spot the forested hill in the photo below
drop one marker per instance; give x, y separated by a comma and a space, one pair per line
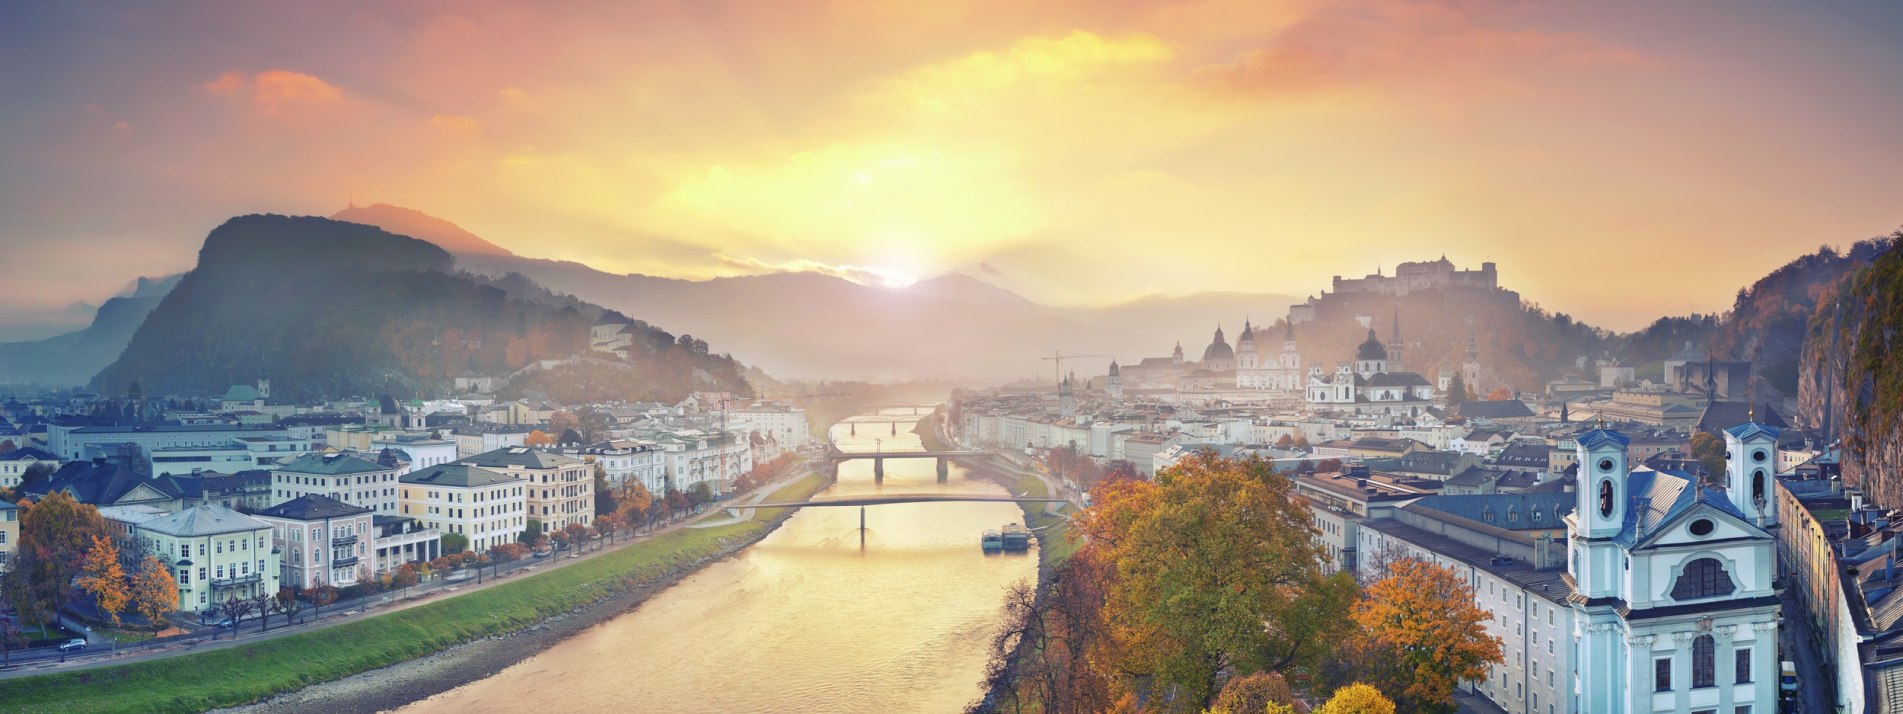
1767, 323
333, 309
1850, 379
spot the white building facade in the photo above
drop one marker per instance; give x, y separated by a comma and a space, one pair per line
1673, 603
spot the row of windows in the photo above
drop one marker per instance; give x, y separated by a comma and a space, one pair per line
219, 546
1704, 666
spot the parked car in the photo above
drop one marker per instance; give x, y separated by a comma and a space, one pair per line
72, 645
226, 623
543, 553
1787, 680
458, 576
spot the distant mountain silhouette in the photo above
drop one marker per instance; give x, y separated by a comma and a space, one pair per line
72, 358
332, 309
814, 326
422, 226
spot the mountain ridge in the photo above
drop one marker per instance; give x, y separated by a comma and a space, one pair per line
332, 308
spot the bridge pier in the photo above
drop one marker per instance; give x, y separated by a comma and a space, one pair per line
862, 526
854, 426
895, 428
878, 470
944, 469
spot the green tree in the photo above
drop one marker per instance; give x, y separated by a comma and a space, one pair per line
455, 542
606, 501
1215, 566
1456, 390
531, 533
1709, 450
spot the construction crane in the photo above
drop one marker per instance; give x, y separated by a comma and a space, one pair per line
1059, 358
770, 397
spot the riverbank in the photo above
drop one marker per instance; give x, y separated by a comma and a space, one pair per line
1052, 530
399, 657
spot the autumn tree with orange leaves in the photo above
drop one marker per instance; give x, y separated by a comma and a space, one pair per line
56, 534
1424, 617
1213, 568
154, 591
101, 577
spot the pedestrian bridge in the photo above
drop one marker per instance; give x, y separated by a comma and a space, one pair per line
906, 498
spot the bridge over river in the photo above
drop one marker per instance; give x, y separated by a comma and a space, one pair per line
835, 456
907, 498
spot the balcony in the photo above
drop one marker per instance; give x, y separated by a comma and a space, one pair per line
344, 541
343, 562
237, 580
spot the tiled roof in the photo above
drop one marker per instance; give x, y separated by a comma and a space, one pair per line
203, 520
1599, 437
98, 484
520, 457
1753, 430
1494, 409
1724, 415
460, 475
1656, 497
333, 465
28, 453
313, 507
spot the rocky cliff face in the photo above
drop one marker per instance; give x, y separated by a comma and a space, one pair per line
1850, 377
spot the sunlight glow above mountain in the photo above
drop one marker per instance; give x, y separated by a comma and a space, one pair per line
1076, 153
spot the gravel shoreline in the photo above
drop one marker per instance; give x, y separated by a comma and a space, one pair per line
403, 683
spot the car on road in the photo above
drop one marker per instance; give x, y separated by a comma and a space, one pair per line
226, 623
72, 645
1787, 679
459, 576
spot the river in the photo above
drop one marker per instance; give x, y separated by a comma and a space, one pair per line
803, 621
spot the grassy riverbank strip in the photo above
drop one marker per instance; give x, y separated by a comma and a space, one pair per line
252, 672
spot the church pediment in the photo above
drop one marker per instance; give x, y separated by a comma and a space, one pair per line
1703, 523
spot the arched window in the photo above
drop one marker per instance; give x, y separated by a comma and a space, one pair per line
1704, 655
1703, 578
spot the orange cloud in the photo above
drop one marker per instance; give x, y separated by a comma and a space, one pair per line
277, 93
280, 92
226, 84
1353, 45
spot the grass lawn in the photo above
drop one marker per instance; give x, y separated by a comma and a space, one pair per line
1056, 545
796, 491
248, 673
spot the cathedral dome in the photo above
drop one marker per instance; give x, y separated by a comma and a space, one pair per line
1219, 349
1372, 349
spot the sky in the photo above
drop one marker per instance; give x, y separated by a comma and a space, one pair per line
1619, 161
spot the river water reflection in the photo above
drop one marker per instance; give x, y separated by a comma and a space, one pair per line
803, 621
